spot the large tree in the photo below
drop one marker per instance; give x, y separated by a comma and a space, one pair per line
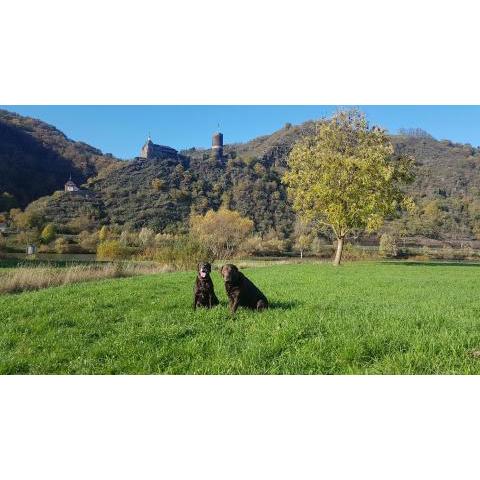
346, 176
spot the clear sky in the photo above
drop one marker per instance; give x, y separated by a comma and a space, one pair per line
121, 130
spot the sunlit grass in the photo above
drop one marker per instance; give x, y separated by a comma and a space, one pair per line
360, 318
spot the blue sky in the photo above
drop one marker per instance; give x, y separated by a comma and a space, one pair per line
121, 130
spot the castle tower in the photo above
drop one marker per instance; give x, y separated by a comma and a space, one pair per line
147, 149
217, 143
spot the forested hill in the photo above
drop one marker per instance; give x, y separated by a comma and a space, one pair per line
161, 194
36, 159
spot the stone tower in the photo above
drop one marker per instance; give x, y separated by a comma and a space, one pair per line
217, 144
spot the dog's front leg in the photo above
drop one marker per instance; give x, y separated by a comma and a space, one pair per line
234, 304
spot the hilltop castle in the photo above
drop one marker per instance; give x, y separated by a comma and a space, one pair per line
153, 151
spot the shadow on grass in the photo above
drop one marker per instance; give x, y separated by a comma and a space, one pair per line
435, 264
281, 305
284, 305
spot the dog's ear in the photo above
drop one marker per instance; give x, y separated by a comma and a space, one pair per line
208, 265
234, 267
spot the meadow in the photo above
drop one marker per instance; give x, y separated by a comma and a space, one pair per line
360, 318
17, 276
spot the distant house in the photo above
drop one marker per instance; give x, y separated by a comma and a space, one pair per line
71, 186
31, 249
3, 227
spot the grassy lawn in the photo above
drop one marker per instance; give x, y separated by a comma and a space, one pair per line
360, 318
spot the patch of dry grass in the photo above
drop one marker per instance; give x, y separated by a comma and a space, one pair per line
29, 277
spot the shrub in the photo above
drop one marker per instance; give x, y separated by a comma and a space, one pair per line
180, 253
274, 246
388, 246
262, 247
467, 251
221, 232
112, 250
82, 222
61, 245
355, 252
88, 241
157, 184
320, 249
129, 239
250, 246
146, 236
162, 238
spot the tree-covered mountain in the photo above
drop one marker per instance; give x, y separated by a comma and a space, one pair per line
36, 159
161, 193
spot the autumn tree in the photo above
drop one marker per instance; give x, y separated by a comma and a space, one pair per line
302, 235
48, 233
346, 177
29, 219
103, 234
222, 231
432, 219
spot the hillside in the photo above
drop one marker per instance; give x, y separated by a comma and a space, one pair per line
161, 194
446, 189
36, 159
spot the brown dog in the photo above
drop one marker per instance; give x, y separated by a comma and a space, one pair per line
203, 292
241, 291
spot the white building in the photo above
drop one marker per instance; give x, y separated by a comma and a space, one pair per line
71, 186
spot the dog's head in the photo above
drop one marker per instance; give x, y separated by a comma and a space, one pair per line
229, 273
204, 269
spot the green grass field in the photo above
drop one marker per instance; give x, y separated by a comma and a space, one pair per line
390, 318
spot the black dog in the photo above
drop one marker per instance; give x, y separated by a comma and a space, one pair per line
241, 291
203, 292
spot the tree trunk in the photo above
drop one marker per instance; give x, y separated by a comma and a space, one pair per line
338, 255
301, 253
